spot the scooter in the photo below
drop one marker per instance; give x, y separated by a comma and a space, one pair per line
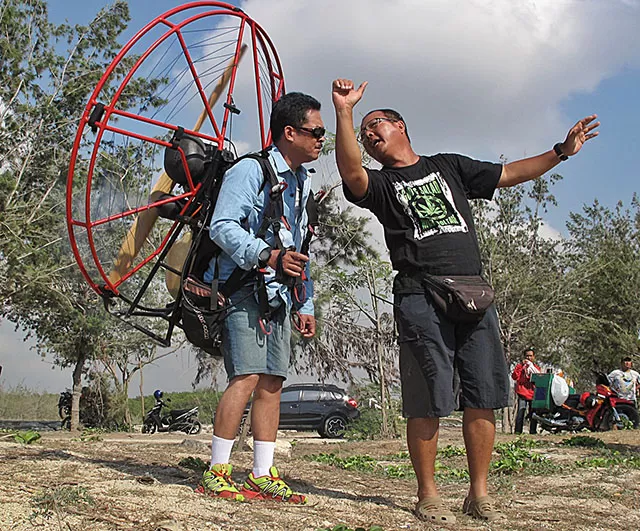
601, 410
64, 409
176, 420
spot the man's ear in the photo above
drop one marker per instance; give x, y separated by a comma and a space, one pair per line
402, 126
287, 133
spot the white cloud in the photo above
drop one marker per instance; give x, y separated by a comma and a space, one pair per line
475, 76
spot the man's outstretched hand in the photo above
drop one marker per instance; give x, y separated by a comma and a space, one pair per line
579, 134
344, 94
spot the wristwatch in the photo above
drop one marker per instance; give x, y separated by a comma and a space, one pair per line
558, 149
264, 256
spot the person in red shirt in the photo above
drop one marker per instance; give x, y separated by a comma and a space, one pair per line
524, 389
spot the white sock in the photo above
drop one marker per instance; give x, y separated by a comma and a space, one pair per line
262, 457
220, 450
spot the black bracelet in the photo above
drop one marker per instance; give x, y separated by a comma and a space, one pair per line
558, 149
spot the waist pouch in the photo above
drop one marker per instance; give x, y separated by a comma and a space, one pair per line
463, 299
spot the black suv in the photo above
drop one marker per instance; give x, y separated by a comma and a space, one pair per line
325, 408
309, 406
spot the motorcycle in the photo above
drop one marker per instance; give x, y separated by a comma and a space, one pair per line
557, 410
176, 420
64, 409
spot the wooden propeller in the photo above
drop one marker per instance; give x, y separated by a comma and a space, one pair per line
144, 222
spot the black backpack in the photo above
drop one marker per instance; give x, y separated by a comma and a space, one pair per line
204, 306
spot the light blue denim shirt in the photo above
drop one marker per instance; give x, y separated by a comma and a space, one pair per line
238, 215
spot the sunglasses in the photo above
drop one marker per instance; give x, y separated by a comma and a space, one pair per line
316, 132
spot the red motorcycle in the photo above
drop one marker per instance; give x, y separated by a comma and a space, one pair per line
556, 410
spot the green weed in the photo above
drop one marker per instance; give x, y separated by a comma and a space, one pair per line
46, 503
26, 437
91, 435
610, 459
514, 458
451, 473
194, 463
584, 441
399, 471
452, 451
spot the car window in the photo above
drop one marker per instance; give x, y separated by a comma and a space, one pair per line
310, 395
327, 395
336, 395
290, 396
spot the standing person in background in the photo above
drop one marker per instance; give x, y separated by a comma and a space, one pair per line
525, 389
625, 381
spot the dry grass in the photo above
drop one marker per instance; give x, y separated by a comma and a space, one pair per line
134, 482
20, 403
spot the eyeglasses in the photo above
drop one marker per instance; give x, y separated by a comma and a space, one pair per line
316, 132
372, 125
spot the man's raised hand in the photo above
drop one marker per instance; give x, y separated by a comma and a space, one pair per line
345, 95
579, 134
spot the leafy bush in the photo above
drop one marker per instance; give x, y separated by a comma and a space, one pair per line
366, 427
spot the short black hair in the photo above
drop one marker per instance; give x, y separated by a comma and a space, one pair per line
626, 358
529, 349
392, 115
291, 109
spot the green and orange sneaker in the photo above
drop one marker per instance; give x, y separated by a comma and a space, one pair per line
217, 483
271, 487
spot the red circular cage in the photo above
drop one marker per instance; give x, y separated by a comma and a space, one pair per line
204, 69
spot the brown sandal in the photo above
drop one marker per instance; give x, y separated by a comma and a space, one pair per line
433, 509
482, 508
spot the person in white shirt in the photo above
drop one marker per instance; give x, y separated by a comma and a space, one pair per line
625, 381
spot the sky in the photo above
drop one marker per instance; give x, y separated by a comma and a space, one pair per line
480, 77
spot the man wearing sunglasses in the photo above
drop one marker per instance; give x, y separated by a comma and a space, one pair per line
256, 353
422, 202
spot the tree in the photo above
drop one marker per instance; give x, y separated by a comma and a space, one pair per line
42, 95
604, 259
525, 268
357, 328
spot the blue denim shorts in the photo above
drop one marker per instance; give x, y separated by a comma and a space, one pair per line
246, 348
446, 365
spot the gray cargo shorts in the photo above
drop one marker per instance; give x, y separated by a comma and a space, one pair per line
445, 365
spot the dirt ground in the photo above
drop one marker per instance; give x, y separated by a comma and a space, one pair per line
133, 481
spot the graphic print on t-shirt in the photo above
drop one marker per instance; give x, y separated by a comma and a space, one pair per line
429, 203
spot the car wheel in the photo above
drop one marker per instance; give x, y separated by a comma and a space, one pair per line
333, 427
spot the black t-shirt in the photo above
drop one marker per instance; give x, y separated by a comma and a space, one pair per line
425, 212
